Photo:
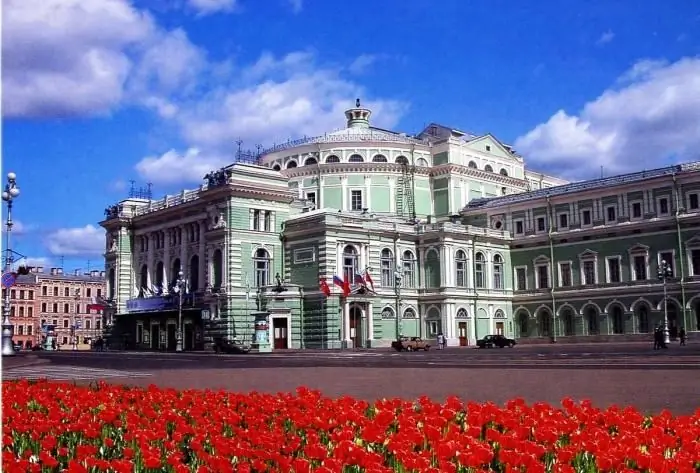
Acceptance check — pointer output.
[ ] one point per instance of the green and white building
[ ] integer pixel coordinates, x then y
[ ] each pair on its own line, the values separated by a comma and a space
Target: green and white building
363, 199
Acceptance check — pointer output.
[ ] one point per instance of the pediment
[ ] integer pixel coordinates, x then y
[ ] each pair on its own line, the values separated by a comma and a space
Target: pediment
639, 248
588, 254
541, 259
694, 241
497, 148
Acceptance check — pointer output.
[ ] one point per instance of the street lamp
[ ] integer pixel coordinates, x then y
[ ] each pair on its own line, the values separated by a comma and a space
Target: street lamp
397, 292
10, 193
181, 285
74, 325
664, 272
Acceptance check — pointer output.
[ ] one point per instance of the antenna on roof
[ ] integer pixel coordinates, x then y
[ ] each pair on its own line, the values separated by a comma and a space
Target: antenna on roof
239, 142
602, 174
88, 265
133, 187
63, 260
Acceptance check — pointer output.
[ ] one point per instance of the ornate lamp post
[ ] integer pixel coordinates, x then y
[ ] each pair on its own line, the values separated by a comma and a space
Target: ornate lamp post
664, 272
181, 285
10, 193
397, 293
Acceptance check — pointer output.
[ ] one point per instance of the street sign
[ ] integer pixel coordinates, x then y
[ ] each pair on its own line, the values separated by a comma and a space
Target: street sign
8, 280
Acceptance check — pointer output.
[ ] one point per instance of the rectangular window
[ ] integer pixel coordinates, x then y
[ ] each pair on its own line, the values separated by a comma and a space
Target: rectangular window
519, 227
29, 329
589, 272
639, 263
268, 221
304, 255
55, 322
663, 206
667, 256
586, 217
30, 311
695, 262
542, 276
693, 203
610, 214
65, 323
256, 220
636, 208
311, 197
88, 326
31, 295
44, 291
614, 270
13, 294
356, 200
433, 328
521, 279
564, 221
565, 270
20, 330
541, 224
89, 292
21, 294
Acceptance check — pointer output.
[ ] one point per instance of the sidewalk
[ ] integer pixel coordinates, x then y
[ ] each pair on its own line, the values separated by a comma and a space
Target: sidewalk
21, 360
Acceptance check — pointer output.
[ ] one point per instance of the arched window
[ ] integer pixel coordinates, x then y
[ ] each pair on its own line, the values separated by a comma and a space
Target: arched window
460, 268
472, 165
432, 269
387, 265
262, 267
523, 324
498, 272
402, 160
55, 308
479, 262
291, 164
349, 264
193, 273
276, 167
160, 273
504, 172
310, 161
176, 268
618, 320
143, 279
409, 314
409, 270
488, 168
111, 280
217, 263
66, 308
356, 158
461, 314
643, 318
593, 322
332, 159
388, 313
422, 162
379, 158
544, 321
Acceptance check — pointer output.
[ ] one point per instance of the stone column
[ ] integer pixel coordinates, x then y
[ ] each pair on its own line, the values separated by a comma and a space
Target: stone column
202, 256
344, 191
150, 261
166, 261
183, 251
346, 324
370, 323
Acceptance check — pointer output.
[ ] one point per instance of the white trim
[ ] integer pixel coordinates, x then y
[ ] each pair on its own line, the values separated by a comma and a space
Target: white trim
537, 224
689, 255
590, 217
287, 317
618, 258
632, 203
673, 259
515, 278
658, 206
687, 202
633, 271
361, 190
568, 221
537, 275
520, 221
559, 273
588, 256
607, 214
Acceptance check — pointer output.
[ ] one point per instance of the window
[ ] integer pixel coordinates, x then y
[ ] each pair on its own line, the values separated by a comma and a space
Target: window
432, 269
541, 224
261, 262
43, 306
610, 214
387, 267
488, 147
479, 262
460, 269
30, 311
668, 257
519, 227
586, 218
98, 325
563, 220
65, 323
77, 308
356, 200
497, 272
304, 255
521, 279
21, 294
88, 325
311, 197
542, 276
588, 272
31, 295
13, 294
332, 159
44, 291
639, 267
409, 270
663, 206
613, 269
565, 274
55, 292
349, 264
695, 262
55, 308
64, 341
433, 328
356, 158
21, 311
55, 322
488, 168
99, 292
268, 221
66, 308
20, 330
636, 210
693, 203
256, 220
29, 329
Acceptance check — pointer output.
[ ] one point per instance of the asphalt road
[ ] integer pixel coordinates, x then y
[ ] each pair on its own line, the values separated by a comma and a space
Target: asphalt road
626, 374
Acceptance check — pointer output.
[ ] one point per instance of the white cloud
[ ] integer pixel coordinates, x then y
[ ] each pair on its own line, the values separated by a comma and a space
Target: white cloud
605, 38
18, 228
207, 7
651, 118
36, 261
80, 241
362, 62
297, 5
173, 167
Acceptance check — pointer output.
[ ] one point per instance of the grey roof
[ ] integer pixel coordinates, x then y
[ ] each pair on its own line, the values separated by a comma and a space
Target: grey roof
72, 277
26, 279
494, 202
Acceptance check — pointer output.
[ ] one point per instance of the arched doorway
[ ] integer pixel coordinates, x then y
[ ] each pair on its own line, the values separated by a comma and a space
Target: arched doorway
355, 326
696, 307
544, 323
193, 273
672, 310
433, 323
642, 316
160, 273
143, 281
523, 320
592, 321
618, 320
567, 321
175, 271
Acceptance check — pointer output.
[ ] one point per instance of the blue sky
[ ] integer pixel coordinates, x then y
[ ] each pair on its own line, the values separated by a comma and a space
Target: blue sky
158, 91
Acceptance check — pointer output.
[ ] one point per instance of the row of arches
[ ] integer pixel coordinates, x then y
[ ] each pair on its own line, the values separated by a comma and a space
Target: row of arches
354, 158
487, 168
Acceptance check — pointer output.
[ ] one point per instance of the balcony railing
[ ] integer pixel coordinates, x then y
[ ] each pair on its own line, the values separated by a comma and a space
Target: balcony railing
370, 135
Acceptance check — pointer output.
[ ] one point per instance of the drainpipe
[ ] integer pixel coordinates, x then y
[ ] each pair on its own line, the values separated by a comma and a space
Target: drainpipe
551, 268
282, 240
676, 192
476, 293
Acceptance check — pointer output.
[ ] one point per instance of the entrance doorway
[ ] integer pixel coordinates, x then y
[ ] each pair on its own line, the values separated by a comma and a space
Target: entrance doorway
356, 326
189, 337
155, 337
280, 332
499, 328
171, 337
462, 333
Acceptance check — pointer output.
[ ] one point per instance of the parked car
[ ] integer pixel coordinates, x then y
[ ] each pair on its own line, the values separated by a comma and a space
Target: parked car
17, 346
491, 341
410, 344
225, 345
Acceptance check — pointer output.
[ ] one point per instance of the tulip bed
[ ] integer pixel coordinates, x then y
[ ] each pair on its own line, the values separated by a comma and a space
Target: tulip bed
63, 427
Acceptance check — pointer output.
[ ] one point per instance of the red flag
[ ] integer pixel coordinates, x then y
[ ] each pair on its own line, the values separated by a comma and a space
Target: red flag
368, 278
323, 285
346, 288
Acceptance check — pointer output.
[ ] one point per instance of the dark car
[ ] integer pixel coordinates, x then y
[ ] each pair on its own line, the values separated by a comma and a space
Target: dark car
225, 345
410, 344
491, 341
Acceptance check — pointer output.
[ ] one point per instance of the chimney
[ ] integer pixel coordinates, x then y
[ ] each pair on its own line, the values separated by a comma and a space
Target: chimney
59, 270
76, 272
39, 269
102, 274
54, 271
95, 273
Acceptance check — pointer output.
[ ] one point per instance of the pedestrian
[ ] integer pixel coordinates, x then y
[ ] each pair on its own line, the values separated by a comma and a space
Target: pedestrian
658, 338
440, 341
682, 335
